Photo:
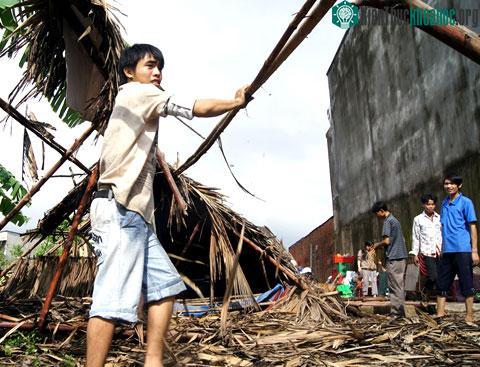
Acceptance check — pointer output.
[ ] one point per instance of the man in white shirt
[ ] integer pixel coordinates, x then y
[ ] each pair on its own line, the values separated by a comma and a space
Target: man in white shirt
427, 240
131, 261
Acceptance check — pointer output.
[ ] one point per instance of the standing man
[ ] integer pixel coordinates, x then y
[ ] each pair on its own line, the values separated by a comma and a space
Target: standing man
460, 251
396, 257
131, 261
427, 240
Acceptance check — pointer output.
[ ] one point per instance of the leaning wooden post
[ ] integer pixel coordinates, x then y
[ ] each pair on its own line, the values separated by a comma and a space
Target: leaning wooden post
459, 37
284, 270
282, 50
190, 241
44, 179
170, 180
66, 248
22, 120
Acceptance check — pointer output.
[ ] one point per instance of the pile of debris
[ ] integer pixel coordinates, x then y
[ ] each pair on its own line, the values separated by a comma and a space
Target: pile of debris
304, 328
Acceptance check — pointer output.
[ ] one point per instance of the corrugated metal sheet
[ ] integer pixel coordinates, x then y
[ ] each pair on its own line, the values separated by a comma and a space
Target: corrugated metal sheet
316, 251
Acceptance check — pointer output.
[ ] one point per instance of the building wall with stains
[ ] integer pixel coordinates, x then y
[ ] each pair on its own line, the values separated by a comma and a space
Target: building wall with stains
404, 110
316, 250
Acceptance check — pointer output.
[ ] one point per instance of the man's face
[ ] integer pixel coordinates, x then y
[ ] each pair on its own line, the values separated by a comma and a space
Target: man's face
380, 213
450, 187
147, 71
429, 207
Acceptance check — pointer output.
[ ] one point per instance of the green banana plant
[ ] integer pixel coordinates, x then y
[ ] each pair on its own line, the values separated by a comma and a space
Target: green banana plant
11, 192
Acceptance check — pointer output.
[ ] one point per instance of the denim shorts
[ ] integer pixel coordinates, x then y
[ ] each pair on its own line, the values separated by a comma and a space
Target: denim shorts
131, 262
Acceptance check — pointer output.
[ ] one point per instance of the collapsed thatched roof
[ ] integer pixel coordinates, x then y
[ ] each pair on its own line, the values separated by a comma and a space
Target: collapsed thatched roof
203, 242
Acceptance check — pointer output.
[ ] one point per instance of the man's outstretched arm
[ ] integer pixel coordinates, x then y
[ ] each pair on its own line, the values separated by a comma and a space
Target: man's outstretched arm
217, 107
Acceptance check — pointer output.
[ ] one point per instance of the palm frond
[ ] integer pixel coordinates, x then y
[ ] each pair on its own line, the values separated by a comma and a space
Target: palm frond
40, 29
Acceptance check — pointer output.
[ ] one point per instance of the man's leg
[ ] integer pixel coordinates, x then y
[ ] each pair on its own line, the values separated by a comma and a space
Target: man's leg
396, 285
445, 276
465, 279
441, 300
99, 337
159, 315
366, 279
431, 264
373, 275
161, 283
469, 309
118, 282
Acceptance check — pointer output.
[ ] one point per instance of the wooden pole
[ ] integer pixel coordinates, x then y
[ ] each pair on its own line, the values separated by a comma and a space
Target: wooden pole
171, 182
456, 36
316, 15
284, 270
44, 179
66, 248
277, 56
189, 243
22, 120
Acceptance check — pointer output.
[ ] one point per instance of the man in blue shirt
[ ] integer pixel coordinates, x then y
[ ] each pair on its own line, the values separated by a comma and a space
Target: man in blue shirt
460, 251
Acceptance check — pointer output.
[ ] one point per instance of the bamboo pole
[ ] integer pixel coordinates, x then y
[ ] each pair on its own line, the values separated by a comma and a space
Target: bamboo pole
316, 15
56, 327
265, 72
22, 120
189, 243
458, 37
284, 270
171, 182
44, 179
66, 248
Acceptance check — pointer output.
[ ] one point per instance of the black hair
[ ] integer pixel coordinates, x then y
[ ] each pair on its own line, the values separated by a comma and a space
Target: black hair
368, 243
132, 55
379, 205
427, 197
454, 178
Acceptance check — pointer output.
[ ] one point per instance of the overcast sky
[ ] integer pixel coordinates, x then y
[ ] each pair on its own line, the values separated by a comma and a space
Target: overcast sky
277, 147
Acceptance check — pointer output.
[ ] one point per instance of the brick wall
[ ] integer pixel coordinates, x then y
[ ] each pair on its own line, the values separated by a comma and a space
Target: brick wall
317, 245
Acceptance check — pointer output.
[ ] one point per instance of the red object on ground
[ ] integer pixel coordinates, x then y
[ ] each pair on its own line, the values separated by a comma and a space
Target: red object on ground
343, 259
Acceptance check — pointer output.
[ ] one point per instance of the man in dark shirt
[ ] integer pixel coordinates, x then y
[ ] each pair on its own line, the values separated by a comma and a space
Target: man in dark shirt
396, 257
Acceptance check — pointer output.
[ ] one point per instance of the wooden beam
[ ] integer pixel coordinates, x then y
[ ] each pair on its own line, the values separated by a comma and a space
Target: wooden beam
66, 248
22, 120
44, 179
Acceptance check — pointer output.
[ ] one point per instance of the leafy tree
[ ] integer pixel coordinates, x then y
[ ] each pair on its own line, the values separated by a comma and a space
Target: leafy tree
52, 240
16, 251
11, 192
3, 261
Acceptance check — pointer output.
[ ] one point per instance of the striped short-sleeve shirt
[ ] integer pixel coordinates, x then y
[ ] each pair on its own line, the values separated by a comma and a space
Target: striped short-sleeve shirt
393, 230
